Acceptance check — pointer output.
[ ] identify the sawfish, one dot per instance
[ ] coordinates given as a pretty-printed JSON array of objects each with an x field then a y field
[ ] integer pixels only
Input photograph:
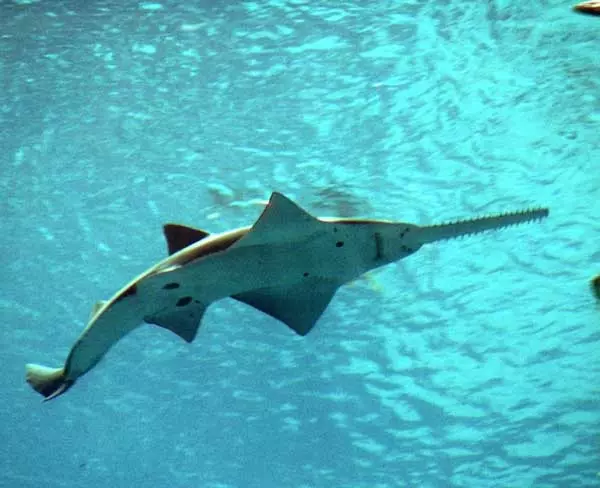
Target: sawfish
[{"x": 288, "y": 264}]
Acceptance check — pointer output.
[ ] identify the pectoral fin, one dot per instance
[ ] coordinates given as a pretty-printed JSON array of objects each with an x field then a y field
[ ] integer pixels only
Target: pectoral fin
[
  {"x": 183, "y": 319},
  {"x": 298, "y": 306}
]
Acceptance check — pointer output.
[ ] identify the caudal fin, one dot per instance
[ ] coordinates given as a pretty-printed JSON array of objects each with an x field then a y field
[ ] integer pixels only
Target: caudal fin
[{"x": 49, "y": 382}]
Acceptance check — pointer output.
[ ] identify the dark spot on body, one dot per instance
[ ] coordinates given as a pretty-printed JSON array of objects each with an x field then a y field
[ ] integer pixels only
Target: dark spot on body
[
  {"x": 182, "y": 302},
  {"x": 171, "y": 286},
  {"x": 339, "y": 243},
  {"x": 305, "y": 274}
]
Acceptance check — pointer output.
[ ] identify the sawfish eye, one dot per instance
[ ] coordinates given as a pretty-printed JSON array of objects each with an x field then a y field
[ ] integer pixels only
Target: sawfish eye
[{"x": 339, "y": 243}]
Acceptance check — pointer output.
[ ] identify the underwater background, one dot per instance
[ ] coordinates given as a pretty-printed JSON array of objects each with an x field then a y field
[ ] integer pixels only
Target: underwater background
[{"x": 473, "y": 363}]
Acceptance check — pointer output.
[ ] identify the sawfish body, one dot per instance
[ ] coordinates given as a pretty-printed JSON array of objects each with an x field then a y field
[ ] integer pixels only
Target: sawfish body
[{"x": 289, "y": 265}]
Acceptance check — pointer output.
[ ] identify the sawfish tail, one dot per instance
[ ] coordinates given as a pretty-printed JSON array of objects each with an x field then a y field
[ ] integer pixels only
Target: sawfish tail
[
  {"x": 49, "y": 382},
  {"x": 474, "y": 226}
]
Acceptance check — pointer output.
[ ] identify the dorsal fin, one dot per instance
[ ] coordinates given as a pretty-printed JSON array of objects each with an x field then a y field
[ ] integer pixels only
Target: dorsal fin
[
  {"x": 96, "y": 307},
  {"x": 281, "y": 221},
  {"x": 179, "y": 236}
]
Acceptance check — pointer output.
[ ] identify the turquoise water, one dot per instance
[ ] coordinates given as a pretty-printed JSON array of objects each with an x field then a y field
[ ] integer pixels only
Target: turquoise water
[{"x": 473, "y": 363}]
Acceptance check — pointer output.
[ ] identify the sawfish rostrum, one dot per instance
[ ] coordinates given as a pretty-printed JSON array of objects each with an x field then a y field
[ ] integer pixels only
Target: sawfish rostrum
[{"x": 289, "y": 265}]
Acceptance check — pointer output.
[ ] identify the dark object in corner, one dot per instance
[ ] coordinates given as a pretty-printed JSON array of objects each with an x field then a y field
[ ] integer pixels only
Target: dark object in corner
[
  {"x": 595, "y": 284},
  {"x": 590, "y": 8}
]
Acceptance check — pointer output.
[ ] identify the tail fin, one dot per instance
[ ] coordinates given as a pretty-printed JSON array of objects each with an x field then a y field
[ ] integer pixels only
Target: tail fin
[
  {"x": 50, "y": 382},
  {"x": 473, "y": 226}
]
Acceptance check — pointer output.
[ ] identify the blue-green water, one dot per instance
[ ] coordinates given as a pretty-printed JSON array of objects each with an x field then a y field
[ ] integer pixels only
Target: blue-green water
[{"x": 473, "y": 363}]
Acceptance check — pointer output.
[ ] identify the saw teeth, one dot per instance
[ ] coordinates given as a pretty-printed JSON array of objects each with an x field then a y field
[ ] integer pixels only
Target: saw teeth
[{"x": 536, "y": 214}]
